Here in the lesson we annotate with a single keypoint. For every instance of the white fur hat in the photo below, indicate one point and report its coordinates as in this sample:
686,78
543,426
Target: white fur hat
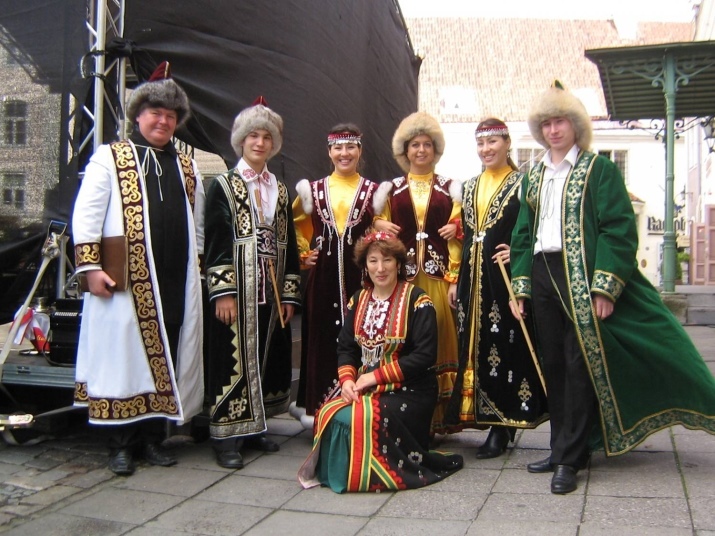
559,102
414,125
160,91
258,116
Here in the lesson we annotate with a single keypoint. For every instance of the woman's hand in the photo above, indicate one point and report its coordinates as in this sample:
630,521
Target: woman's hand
384,225
311,259
365,382
349,393
226,309
448,232
503,252
452,295
100,284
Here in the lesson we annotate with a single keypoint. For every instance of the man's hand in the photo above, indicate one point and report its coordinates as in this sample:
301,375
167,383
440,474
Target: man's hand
226,309
518,309
287,309
100,284
603,306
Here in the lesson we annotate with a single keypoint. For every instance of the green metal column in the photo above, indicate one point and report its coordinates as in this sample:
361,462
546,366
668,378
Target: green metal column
669,243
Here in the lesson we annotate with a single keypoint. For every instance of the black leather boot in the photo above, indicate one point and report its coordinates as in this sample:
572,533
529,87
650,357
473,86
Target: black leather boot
495,445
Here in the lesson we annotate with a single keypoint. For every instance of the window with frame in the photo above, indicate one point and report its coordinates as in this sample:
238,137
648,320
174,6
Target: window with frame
620,158
15,122
13,190
526,159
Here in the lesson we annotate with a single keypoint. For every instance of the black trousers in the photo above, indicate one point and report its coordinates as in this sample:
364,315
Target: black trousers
572,399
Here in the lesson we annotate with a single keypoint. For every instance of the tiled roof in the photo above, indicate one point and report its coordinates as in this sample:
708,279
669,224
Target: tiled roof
474,67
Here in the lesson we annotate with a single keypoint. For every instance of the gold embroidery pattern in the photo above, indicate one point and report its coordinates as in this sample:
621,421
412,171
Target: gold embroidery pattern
221,278
525,394
522,287
80,392
87,253
125,409
501,198
494,360
143,294
281,215
607,283
244,210
532,190
98,409
188,170
291,286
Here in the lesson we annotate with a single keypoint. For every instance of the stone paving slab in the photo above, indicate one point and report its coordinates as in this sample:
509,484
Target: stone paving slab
60,524
123,505
251,491
426,504
211,518
175,480
512,527
325,501
647,512
285,522
392,526
533,508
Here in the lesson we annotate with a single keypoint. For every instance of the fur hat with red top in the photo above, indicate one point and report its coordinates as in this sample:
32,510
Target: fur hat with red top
160,91
257,117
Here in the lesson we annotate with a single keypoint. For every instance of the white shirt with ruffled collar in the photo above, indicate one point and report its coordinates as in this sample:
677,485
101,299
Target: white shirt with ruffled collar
263,188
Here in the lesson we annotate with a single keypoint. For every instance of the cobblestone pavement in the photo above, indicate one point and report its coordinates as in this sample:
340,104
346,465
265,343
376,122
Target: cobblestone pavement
61,486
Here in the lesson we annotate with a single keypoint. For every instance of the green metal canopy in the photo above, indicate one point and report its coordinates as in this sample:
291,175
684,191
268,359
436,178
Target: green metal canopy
633,79
675,80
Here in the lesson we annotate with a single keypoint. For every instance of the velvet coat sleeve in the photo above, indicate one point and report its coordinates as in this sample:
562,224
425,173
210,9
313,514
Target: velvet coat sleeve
220,272
610,232
522,239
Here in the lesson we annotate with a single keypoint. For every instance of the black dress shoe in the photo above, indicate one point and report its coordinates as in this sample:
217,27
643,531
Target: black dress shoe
156,455
230,459
564,479
261,442
542,466
121,463
496,442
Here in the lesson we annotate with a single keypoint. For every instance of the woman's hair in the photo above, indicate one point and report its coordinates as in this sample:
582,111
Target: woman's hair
346,133
351,128
496,124
387,244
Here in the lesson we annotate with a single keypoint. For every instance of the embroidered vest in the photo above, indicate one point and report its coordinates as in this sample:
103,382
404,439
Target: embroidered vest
426,251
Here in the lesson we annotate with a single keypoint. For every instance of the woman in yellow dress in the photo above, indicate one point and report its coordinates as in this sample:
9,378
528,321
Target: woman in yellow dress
423,209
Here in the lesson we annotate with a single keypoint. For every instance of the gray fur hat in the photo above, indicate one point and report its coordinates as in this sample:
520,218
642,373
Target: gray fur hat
559,102
414,125
160,91
258,116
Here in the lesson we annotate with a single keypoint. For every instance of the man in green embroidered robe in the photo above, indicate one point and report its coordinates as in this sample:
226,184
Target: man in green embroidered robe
617,364
253,277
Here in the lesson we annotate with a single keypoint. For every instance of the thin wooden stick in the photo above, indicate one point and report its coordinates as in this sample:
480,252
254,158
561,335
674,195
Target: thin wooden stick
272,270
512,297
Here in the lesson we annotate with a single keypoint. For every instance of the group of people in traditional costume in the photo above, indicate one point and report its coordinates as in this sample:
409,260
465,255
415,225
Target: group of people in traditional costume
430,306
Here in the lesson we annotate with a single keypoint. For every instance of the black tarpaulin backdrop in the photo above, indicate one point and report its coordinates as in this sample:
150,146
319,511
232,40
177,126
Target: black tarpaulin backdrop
317,63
